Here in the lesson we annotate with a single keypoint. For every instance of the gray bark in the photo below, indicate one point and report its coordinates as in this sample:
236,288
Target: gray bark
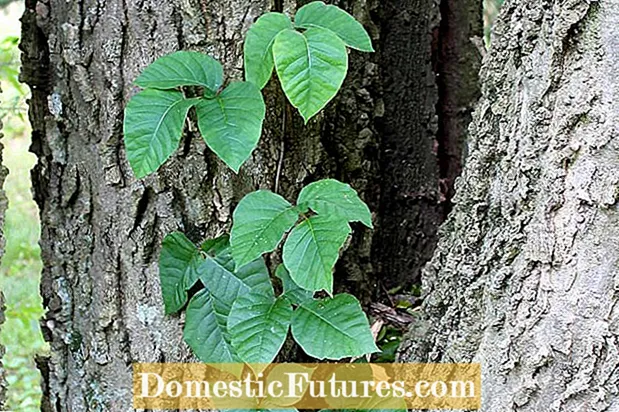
101,229
525,277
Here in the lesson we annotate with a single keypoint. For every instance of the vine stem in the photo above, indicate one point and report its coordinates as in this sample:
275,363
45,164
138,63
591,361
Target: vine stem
280,161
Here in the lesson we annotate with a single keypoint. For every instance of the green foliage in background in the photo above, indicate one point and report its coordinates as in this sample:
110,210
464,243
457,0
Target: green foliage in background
21,264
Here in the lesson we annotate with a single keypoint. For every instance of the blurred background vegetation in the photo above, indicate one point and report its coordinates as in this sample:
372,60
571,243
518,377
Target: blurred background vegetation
20,267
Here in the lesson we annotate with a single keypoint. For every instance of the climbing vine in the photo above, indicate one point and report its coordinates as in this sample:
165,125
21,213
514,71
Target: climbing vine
232,311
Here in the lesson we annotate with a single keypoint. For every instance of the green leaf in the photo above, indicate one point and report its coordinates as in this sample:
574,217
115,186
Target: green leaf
311,250
178,263
292,291
258,326
183,68
332,198
255,273
257,50
153,126
231,123
311,67
259,223
204,331
226,286
318,14
216,246
333,328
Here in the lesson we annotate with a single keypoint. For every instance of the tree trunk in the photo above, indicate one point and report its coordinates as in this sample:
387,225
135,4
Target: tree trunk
525,277
101,229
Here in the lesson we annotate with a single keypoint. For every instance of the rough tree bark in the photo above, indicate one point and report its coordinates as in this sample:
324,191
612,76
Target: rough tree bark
101,229
525,278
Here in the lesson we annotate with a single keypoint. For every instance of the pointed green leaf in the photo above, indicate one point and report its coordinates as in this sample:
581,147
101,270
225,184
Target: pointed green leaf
311,67
231,123
293,292
259,223
332,198
205,332
183,68
318,14
226,286
258,44
258,326
153,126
333,328
311,250
178,263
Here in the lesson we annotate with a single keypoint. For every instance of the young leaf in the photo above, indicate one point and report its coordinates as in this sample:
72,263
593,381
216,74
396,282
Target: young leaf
231,123
311,250
183,68
333,328
204,331
311,67
293,292
259,223
258,326
178,263
258,44
153,125
335,199
318,14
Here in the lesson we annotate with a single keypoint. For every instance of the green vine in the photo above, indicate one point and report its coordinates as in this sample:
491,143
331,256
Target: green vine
235,315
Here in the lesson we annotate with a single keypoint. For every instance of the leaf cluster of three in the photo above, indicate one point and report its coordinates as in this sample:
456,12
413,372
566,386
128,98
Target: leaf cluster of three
311,66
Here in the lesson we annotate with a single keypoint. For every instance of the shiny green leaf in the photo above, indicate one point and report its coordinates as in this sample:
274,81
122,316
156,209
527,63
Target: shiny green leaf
311,250
257,50
226,286
259,223
153,126
332,198
311,67
205,330
258,325
333,328
318,14
183,68
231,123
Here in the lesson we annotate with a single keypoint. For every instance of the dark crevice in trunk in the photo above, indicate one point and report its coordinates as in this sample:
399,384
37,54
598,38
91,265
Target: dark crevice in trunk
410,211
457,65
35,71
430,72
